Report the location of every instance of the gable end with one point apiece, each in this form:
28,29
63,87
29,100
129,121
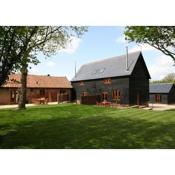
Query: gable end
140,68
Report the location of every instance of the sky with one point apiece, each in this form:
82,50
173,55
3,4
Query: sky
96,44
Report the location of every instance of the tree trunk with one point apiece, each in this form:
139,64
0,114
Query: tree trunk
23,89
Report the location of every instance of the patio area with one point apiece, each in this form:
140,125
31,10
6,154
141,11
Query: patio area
27,105
161,107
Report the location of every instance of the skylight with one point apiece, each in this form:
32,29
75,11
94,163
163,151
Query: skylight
99,71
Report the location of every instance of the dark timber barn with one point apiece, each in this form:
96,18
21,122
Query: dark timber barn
121,79
162,93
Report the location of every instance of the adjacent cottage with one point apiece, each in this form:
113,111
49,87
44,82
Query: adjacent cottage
162,93
38,86
121,79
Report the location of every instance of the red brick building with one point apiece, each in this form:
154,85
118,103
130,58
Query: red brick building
38,86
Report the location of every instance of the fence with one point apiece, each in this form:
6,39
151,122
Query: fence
90,100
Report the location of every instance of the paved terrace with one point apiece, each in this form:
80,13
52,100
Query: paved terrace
27,105
161,107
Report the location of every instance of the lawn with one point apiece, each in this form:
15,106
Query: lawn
81,126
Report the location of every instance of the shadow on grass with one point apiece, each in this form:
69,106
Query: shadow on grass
94,132
170,110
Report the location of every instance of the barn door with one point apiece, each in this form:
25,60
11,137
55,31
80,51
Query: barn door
157,98
53,96
104,96
138,98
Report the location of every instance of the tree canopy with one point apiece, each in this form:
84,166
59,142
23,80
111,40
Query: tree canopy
19,45
159,37
169,78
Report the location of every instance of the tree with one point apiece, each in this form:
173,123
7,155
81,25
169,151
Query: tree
28,42
9,51
169,78
159,37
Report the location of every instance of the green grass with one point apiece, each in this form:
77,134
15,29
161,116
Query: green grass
81,126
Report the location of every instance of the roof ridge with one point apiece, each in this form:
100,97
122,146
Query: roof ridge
104,59
114,66
41,75
40,81
161,83
46,75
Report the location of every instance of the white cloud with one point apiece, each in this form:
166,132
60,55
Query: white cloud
50,63
142,47
72,45
137,47
162,66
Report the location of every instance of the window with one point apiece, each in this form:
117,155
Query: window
42,92
98,71
158,98
63,91
105,96
14,96
107,81
116,94
81,83
84,94
0,65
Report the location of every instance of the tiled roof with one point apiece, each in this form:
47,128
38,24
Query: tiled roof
39,81
160,87
111,67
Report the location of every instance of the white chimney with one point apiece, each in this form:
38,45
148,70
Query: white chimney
127,68
75,68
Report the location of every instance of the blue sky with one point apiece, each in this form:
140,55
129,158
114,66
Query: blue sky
99,43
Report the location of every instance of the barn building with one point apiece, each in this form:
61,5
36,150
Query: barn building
123,79
38,86
162,93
